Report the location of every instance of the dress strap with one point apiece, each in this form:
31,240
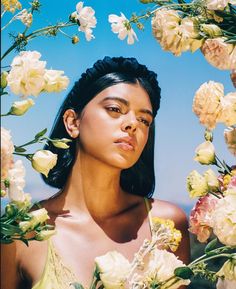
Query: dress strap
147,204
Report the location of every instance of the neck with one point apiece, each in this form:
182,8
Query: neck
94,187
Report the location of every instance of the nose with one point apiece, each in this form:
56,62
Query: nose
130,123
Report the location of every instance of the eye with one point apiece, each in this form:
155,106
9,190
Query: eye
144,121
113,109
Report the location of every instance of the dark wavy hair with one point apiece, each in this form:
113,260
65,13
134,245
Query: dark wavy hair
140,178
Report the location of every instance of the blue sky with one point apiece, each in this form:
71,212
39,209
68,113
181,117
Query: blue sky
178,131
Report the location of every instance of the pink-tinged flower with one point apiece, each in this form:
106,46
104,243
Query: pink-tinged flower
228,113
218,4
207,103
85,17
121,26
219,53
230,139
7,149
200,222
25,17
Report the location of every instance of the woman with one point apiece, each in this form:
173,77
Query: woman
104,179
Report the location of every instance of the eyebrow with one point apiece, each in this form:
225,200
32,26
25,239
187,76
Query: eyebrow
125,102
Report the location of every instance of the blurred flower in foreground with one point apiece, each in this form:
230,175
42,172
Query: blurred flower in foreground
85,18
55,81
200,217
230,139
121,26
43,161
224,220
7,149
206,103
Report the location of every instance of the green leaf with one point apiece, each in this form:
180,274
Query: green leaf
25,241
7,229
183,272
77,286
211,246
40,134
19,149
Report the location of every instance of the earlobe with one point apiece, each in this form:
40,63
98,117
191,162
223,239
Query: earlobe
71,122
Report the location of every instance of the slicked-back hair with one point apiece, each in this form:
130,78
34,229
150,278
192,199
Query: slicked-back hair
138,179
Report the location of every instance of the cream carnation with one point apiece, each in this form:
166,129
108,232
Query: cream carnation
207,103
200,220
228,113
114,269
173,33
224,220
55,81
7,149
17,182
121,26
26,76
219,53
230,139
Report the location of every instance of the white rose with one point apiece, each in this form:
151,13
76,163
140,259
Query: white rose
228,113
219,53
7,149
17,182
114,269
230,139
55,81
226,284
21,107
212,180
26,76
43,161
207,103
205,153
196,185
121,26
224,220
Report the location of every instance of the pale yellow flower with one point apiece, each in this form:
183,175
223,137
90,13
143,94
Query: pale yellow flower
207,103
228,113
43,161
230,139
205,153
21,107
228,270
44,235
55,81
196,185
36,217
62,143
212,180
11,5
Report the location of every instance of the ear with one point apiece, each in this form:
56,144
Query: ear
71,122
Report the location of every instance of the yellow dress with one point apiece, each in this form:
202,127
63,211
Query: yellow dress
58,276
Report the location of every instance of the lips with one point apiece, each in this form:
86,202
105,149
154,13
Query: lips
126,143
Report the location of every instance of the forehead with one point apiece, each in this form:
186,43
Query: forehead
135,94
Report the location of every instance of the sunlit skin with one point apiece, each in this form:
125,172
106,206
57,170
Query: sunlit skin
92,214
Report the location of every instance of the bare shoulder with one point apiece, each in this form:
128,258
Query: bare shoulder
168,210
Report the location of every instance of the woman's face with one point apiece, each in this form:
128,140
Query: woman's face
114,125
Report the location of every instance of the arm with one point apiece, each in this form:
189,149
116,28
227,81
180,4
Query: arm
10,275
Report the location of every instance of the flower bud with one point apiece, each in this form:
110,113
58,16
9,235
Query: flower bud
11,209
211,30
3,193
4,75
43,161
20,107
208,135
36,217
61,143
75,39
205,153
45,235
73,17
